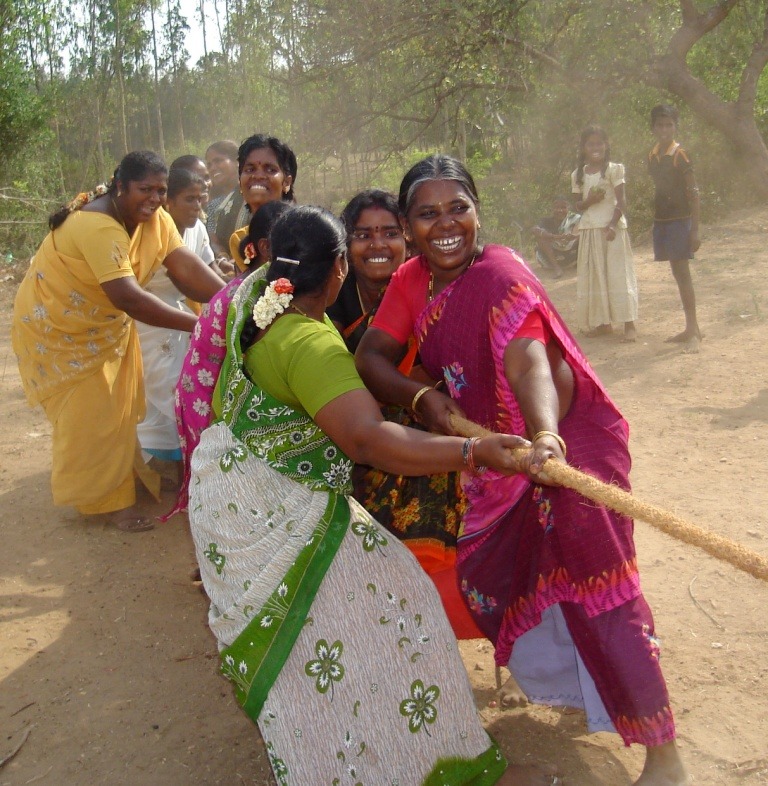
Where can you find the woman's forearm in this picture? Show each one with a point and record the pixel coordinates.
(354, 422)
(191, 276)
(125, 294)
(376, 362)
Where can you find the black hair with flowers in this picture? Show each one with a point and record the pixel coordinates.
(135, 166)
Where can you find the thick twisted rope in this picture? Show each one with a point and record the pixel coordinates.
(623, 502)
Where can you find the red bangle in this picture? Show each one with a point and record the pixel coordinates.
(470, 458)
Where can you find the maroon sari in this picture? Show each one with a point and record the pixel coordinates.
(525, 547)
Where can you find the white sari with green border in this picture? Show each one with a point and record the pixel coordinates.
(333, 636)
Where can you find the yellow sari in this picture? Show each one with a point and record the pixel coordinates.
(79, 356)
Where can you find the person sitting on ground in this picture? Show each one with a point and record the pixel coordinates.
(557, 245)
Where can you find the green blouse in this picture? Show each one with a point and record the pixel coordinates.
(303, 363)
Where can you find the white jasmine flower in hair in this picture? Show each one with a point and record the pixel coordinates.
(276, 298)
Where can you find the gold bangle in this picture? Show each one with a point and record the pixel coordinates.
(418, 395)
(560, 440)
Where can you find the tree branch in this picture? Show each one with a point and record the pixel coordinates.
(758, 59)
(696, 25)
(532, 51)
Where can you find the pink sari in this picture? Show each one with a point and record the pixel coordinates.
(524, 547)
(194, 391)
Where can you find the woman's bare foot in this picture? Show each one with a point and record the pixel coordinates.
(130, 520)
(630, 333)
(530, 775)
(600, 330)
(511, 695)
(663, 767)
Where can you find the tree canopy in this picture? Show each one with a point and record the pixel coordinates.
(360, 88)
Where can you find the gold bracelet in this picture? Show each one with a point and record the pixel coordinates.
(560, 440)
(418, 395)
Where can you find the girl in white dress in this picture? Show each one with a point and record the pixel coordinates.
(606, 288)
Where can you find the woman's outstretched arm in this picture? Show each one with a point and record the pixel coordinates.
(543, 385)
(354, 422)
(126, 294)
(191, 276)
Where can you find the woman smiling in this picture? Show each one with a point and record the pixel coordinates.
(551, 581)
(74, 335)
(424, 512)
(267, 169)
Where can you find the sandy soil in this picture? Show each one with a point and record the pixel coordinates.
(108, 673)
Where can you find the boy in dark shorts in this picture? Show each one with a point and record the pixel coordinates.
(676, 218)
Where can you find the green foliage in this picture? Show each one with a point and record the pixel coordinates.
(21, 111)
(362, 90)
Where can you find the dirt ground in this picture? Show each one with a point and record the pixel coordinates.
(108, 673)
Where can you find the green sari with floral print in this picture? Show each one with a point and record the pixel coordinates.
(333, 636)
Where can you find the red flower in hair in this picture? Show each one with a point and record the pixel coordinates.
(250, 251)
(282, 286)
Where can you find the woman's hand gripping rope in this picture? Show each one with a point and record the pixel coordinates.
(555, 472)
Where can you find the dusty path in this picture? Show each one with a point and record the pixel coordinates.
(104, 651)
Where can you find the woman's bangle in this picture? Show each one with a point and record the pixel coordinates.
(468, 454)
(418, 395)
(557, 437)
(465, 448)
(473, 468)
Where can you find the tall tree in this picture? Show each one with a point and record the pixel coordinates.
(156, 78)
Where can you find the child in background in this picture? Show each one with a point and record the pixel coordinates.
(676, 216)
(557, 245)
(606, 289)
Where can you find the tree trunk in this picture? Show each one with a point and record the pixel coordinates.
(158, 110)
(118, 65)
(202, 27)
(735, 120)
(176, 85)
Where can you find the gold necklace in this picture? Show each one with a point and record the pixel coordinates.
(303, 313)
(431, 288)
(359, 298)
